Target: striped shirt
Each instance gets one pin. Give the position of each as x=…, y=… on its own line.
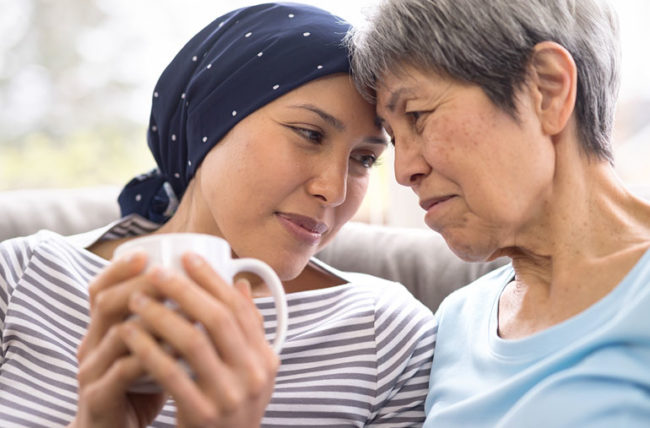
x=357, y=354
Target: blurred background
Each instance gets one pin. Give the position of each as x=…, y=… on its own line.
x=76, y=78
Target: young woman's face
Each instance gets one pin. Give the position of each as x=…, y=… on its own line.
x=284, y=180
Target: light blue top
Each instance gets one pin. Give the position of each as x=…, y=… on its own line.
x=592, y=370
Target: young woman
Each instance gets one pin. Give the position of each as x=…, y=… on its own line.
x=261, y=138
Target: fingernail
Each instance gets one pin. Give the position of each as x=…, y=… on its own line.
x=132, y=256
x=193, y=259
x=160, y=273
x=244, y=282
x=129, y=330
x=244, y=286
x=138, y=300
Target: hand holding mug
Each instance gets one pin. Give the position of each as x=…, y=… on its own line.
x=232, y=371
x=232, y=374
x=166, y=250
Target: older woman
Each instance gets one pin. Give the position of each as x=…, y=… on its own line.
x=261, y=138
x=501, y=114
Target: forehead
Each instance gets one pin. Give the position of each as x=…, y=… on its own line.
x=336, y=91
x=405, y=80
x=325, y=86
x=334, y=99
x=409, y=82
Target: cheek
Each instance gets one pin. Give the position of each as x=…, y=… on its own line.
x=357, y=188
x=356, y=191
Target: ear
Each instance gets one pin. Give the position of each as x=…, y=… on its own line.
x=553, y=82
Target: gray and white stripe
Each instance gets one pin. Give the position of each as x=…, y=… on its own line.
x=357, y=354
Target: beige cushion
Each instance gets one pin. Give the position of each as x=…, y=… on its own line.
x=66, y=211
x=418, y=258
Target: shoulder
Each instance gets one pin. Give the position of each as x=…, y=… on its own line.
x=31, y=268
x=388, y=295
x=472, y=298
x=44, y=257
x=400, y=318
x=16, y=253
x=42, y=242
x=389, y=300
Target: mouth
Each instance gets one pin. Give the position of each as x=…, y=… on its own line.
x=304, y=228
x=427, y=204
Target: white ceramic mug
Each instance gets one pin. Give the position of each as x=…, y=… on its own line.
x=166, y=250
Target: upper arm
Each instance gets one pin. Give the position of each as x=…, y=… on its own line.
x=405, y=336
x=14, y=256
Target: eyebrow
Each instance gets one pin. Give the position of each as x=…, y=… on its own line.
x=339, y=125
x=336, y=123
x=376, y=140
x=395, y=97
x=392, y=103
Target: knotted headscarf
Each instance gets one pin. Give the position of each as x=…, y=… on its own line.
x=237, y=64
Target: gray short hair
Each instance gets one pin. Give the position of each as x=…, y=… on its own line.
x=489, y=42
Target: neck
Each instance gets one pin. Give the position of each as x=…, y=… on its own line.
x=588, y=216
x=589, y=233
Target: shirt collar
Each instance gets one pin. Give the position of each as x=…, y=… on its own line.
x=130, y=225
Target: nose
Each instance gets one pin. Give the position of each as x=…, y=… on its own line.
x=330, y=182
x=410, y=164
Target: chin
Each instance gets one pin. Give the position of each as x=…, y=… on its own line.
x=288, y=270
x=469, y=250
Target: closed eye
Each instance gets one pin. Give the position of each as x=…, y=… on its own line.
x=416, y=118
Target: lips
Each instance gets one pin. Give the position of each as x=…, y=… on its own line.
x=427, y=204
x=309, y=224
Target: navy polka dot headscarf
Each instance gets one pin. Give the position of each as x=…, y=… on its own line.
x=237, y=64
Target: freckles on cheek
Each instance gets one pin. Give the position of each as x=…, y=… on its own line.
x=472, y=132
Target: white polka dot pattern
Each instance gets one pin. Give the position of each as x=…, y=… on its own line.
x=238, y=63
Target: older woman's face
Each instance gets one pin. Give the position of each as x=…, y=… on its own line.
x=480, y=175
x=285, y=179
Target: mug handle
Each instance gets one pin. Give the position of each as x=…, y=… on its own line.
x=271, y=279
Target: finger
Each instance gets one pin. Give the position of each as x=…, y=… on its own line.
x=110, y=308
x=186, y=338
x=120, y=270
x=163, y=368
x=243, y=309
x=214, y=393
x=111, y=299
x=105, y=396
x=244, y=287
x=207, y=278
x=100, y=358
x=211, y=313
x=253, y=365
x=121, y=375
x=207, y=357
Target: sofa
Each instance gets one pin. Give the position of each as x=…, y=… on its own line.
x=418, y=258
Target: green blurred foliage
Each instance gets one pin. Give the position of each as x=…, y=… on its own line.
x=66, y=104
x=83, y=158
